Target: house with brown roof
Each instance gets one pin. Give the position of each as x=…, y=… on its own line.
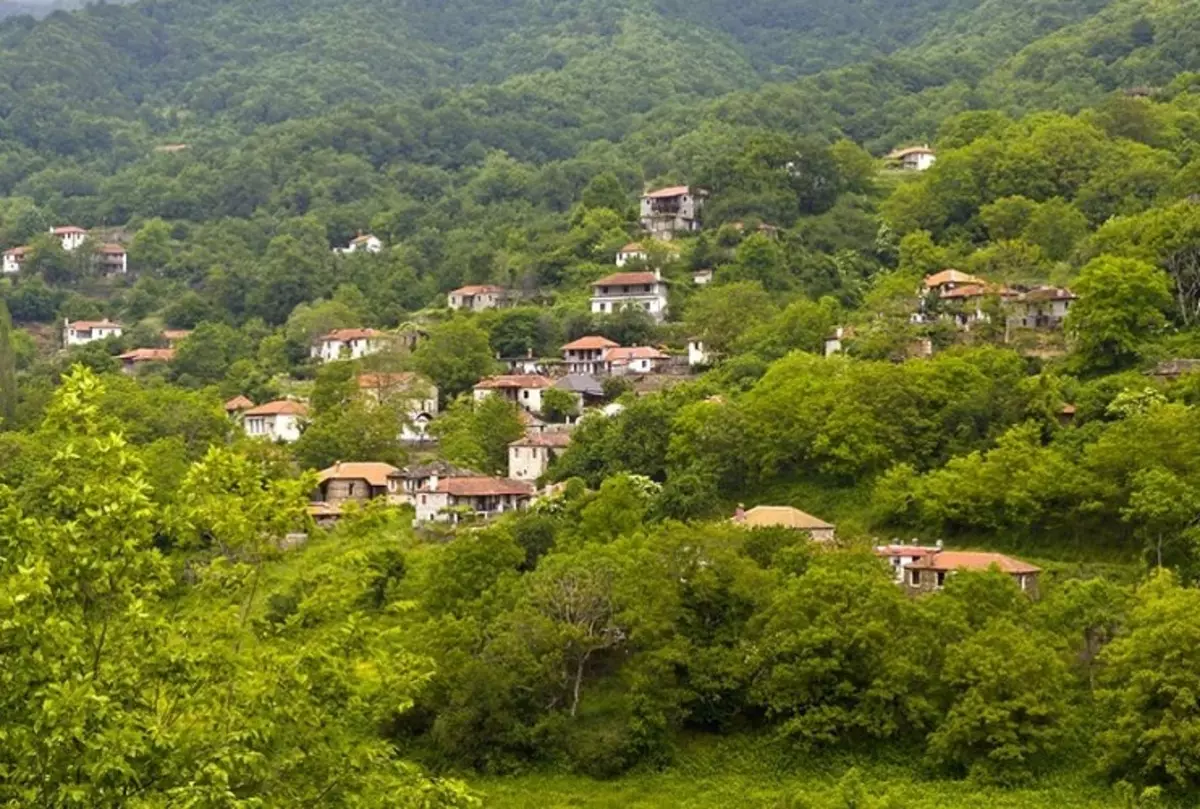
x=929, y=573
x=586, y=355
x=14, y=259
x=404, y=484
x=82, y=332
x=416, y=395
x=359, y=481
x=667, y=211
x=478, y=297
x=899, y=556
x=235, y=407
x=454, y=499
x=634, y=251
x=131, y=361
x=1042, y=307
x=111, y=259
x=364, y=242
x=348, y=344
x=946, y=280
x=646, y=291
x=530, y=457
x=633, y=360
x=524, y=390
x=70, y=236
x=785, y=517
x=913, y=158
x=280, y=420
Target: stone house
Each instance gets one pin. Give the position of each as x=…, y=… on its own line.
x=478, y=297
x=403, y=484
x=913, y=158
x=929, y=573
x=631, y=252
x=15, y=258
x=1042, y=308
x=419, y=395
x=132, y=361
x=633, y=360
x=900, y=556
x=359, y=481
x=69, y=236
x=479, y=497
x=530, y=457
x=111, y=259
x=668, y=211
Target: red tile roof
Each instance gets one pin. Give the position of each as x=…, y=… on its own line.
x=590, y=343
x=346, y=335
x=633, y=353
x=88, y=325
x=903, y=550
x=1049, y=294
x=785, y=516
x=112, y=249
x=362, y=237
x=238, y=403
x=480, y=487
x=627, y=279
x=372, y=472
x=556, y=439
x=478, y=289
x=950, y=277
x=632, y=247
x=896, y=154
x=672, y=191
x=148, y=355
x=281, y=407
x=67, y=229
x=18, y=251
x=515, y=381
x=971, y=560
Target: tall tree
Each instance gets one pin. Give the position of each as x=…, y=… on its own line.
x=8, y=369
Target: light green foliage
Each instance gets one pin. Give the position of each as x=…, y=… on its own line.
x=8, y=370
x=454, y=357
x=476, y=435
x=1121, y=302
x=558, y=405
x=722, y=313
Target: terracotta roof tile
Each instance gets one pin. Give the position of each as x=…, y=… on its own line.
x=480, y=486
x=556, y=439
x=372, y=472
x=590, y=343
x=627, y=279
x=237, y=404
x=148, y=355
x=281, y=407
x=515, y=381
x=479, y=289
x=972, y=560
x=672, y=191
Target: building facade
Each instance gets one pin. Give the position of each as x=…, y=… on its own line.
x=669, y=211
x=529, y=458
x=348, y=344
x=280, y=420
x=82, y=332
x=477, y=298
x=455, y=499
x=646, y=291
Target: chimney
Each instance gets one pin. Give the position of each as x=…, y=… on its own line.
x=740, y=514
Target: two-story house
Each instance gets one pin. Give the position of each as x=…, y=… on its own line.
x=456, y=498
x=404, y=484
x=668, y=211
x=111, y=259
x=237, y=406
x=133, y=361
x=280, y=420
x=69, y=236
x=360, y=481
x=81, y=332
x=524, y=390
x=586, y=355
x=416, y=395
x=348, y=344
x=365, y=242
x=530, y=457
x=634, y=290
x=1042, y=308
x=913, y=158
x=478, y=297
x=14, y=259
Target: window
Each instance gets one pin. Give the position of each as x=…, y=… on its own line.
x=914, y=577
x=422, y=499
x=941, y=579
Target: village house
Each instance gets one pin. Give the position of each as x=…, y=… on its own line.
x=520, y=389
x=633, y=360
x=899, y=556
x=784, y=517
x=929, y=573
x=15, y=258
x=404, y=484
x=668, y=211
x=81, y=332
x=697, y=353
x=132, y=361
x=111, y=259
x=237, y=406
x=702, y=277
x=942, y=282
x=1042, y=308
x=532, y=424
x=69, y=236
x=634, y=290
x=456, y=498
x=586, y=355
x=834, y=343
x=348, y=344
x=419, y=400
x=530, y=457
x=359, y=481
x=477, y=298
x=966, y=305
x=913, y=158
x=364, y=242
x=631, y=252
x=275, y=421
x=586, y=389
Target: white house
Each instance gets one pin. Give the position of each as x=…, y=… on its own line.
x=14, y=259
x=276, y=421
x=631, y=252
x=634, y=290
x=520, y=389
x=81, y=332
x=914, y=158
x=633, y=360
x=900, y=556
x=132, y=361
x=697, y=353
x=478, y=297
x=365, y=242
x=702, y=277
x=586, y=355
x=1042, y=308
x=112, y=259
x=70, y=236
x=668, y=211
x=529, y=458
x=452, y=499
x=419, y=400
x=348, y=344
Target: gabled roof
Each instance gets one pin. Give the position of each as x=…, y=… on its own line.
x=590, y=343
x=67, y=230
x=18, y=251
x=362, y=238
x=620, y=354
x=1048, y=294
x=479, y=289
x=783, y=516
x=515, y=381
x=238, y=403
x=554, y=439
x=897, y=154
x=374, y=473
x=950, y=277
x=672, y=191
x=977, y=291
x=633, y=247
x=345, y=335
x=88, y=325
x=112, y=249
x=280, y=407
x=628, y=279
x=148, y=355
x=480, y=486
x=972, y=560
x=903, y=550
x=580, y=383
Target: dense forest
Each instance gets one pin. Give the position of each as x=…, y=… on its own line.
x=181, y=625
